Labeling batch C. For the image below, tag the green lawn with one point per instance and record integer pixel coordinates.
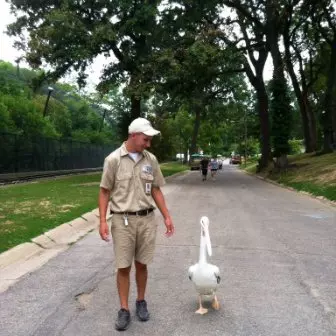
(29, 209)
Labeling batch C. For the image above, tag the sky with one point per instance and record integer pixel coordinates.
(10, 54)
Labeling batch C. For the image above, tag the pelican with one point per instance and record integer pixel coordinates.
(205, 276)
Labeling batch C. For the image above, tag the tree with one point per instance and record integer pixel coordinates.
(324, 22)
(69, 35)
(297, 36)
(250, 20)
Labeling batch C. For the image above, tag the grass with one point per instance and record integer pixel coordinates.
(171, 168)
(27, 210)
(315, 174)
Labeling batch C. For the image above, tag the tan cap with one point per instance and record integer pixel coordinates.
(142, 125)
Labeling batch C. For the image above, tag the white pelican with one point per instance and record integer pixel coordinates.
(205, 276)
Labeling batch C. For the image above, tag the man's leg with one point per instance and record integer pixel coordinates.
(141, 279)
(123, 284)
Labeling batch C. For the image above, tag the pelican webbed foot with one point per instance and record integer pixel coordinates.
(201, 310)
(215, 304)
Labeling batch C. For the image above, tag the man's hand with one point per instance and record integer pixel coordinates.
(104, 231)
(170, 226)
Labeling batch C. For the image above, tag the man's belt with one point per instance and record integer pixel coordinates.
(135, 213)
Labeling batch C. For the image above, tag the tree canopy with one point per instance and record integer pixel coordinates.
(198, 63)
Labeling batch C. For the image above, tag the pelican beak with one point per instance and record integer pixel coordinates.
(207, 240)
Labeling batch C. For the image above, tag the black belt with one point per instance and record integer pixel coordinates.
(135, 213)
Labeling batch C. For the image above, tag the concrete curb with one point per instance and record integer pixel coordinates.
(28, 257)
(319, 198)
(171, 177)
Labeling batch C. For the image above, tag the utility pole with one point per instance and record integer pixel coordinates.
(102, 123)
(17, 61)
(50, 90)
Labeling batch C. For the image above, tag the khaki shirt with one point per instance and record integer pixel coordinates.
(130, 182)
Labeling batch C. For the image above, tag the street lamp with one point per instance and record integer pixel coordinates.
(50, 90)
(17, 61)
(102, 123)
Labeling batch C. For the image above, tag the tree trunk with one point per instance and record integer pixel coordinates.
(311, 121)
(273, 29)
(135, 107)
(195, 130)
(308, 132)
(329, 115)
(264, 124)
(262, 101)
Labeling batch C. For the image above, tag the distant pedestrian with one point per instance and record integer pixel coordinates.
(213, 168)
(204, 167)
(131, 180)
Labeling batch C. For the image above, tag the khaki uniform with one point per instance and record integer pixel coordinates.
(130, 184)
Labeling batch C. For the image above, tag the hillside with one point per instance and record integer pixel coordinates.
(312, 173)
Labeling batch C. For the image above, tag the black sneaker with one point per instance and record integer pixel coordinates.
(141, 310)
(123, 320)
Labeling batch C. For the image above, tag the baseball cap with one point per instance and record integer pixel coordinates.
(142, 125)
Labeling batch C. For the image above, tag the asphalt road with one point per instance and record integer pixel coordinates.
(276, 250)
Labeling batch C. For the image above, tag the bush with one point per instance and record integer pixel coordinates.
(296, 146)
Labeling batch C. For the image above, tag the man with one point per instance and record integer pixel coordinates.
(204, 167)
(213, 168)
(131, 180)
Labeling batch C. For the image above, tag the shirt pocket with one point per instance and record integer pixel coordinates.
(147, 177)
(124, 181)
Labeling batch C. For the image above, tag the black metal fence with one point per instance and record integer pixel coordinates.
(21, 154)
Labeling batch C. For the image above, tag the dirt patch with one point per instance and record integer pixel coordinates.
(45, 204)
(65, 206)
(88, 184)
(329, 177)
(26, 203)
(8, 222)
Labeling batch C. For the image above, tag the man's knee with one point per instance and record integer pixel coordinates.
(139, 266)
(124, 271)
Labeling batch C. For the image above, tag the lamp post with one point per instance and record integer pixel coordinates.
(102, 123)
(17, 61)
(50, 90)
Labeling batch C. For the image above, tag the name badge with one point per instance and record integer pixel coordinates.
(148, 188)
(148, 169)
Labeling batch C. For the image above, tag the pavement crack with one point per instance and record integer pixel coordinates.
(83, 299)
(315, 294)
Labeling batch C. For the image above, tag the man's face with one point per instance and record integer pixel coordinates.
(141, 141)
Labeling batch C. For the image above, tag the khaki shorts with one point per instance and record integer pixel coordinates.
(134, 241)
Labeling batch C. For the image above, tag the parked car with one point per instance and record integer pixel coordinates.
(235, 159)
(195, 161)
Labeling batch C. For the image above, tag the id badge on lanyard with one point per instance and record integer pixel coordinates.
(148, 169)
(148, 188)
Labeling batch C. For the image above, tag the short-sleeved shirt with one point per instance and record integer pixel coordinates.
(204, 163)
(130, 182)
(214, 165)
